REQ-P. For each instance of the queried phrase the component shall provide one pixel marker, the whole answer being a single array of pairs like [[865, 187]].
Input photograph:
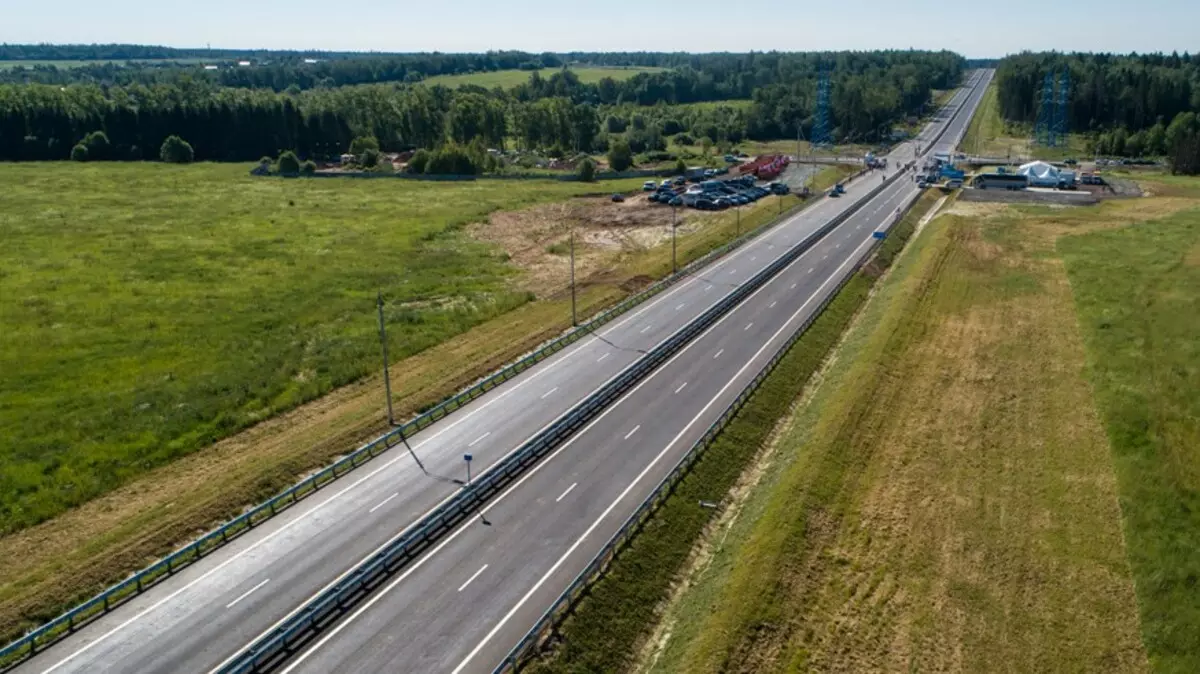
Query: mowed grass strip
[[150, 310], [507, 79], [946, 501], [1137, 290], [605, 630], [50, 567]]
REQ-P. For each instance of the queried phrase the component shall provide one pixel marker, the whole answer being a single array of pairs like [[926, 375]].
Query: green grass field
[[507, 79], [990, 136], [150, 310], [1137, 290]]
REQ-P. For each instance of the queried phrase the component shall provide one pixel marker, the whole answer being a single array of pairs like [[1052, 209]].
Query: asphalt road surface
[[210, 611], [464, 604]]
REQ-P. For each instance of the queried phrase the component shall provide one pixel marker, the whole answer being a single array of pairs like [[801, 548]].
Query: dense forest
[[1133, 105], [869, 92]]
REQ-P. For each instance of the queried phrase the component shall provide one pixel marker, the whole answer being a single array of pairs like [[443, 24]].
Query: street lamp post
[[574, 322], [387, 379], [674, 226]]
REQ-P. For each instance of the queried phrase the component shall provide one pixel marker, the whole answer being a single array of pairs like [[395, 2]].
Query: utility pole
[[387, 379], [674, 215], [574, 322]]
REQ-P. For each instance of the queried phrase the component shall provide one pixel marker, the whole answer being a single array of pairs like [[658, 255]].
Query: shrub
[[418, 162], [680, 167], [385, 166], [369, 158], [587, 170], [97, 145], [360, 145], [308, 168], [79, 153], [176, 150], [289, 165], [684, 139], [620, 157], [452, 159]]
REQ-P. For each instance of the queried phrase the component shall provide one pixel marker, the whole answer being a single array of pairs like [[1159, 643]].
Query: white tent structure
[[1041, 174]]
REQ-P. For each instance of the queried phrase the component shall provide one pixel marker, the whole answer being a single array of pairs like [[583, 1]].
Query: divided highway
[[465, 603], [210, 611]]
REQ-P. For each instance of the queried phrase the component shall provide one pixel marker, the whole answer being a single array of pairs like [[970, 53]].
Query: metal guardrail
[[558, 611], [548, 622], [323, 610], [43, 636]]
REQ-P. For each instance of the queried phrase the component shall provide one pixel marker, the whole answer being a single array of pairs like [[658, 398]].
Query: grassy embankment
[[990, 136], [187, 307], [507, 79], [604, 632], [949, 500]]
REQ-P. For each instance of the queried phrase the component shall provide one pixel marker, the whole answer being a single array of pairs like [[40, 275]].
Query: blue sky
[[970, 28]]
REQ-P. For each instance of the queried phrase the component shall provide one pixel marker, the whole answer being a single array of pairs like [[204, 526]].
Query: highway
[[464, 604], [208, 612]]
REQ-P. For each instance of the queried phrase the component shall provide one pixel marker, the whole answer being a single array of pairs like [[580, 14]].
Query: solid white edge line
[[247, 593], [473, 577], [508, 616], [564, 494]]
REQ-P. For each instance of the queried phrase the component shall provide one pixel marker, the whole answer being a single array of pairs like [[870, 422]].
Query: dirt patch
[[538, 238]]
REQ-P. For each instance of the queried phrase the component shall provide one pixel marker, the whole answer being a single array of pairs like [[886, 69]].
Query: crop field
[[999, 467], [510, 78], [150, 310]]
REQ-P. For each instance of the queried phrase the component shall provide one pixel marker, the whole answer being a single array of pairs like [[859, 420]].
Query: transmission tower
[[1062, 123], [820, 134], [1044, 131]]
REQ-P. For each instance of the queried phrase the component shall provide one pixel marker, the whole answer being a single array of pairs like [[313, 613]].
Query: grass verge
[[604, 632]]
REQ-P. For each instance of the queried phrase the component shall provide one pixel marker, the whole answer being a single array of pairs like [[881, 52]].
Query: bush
[[79, 153], [680, 167], [385, 166], [659, 155], [452, 159], [587, 170], [97, 145], [289, 165], [684, 139], [418, 162], [308, 168], [369, 158], [176, 150], [360, 145], [620, 157]]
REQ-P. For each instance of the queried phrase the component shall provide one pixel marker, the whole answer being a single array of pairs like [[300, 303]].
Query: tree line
[[559, 113], [1131, 104]]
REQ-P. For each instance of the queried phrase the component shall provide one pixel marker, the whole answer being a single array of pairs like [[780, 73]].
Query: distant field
[[9, 65], [511, 78], [150, 310]]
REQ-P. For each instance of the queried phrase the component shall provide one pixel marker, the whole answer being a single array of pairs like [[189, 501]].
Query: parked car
[[676, 201], [705, 205], [618, 198], [680, 180], [649, 186]]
